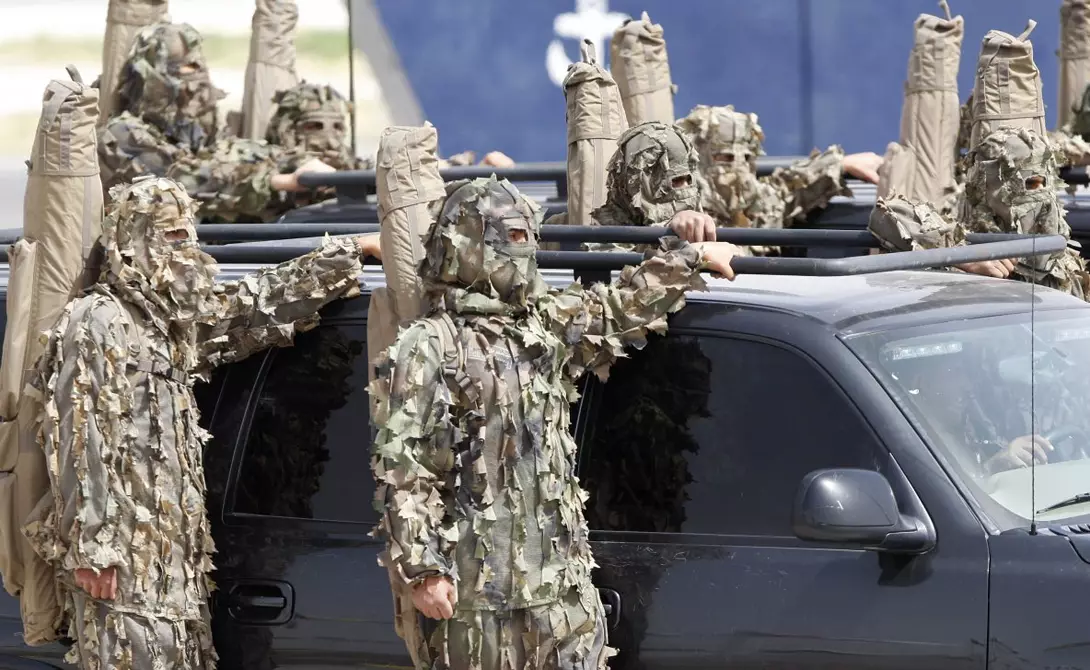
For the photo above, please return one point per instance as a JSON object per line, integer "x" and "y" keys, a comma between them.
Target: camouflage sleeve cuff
{"x": 811, "y": 183}
{"x": 900, "y": 224}
{"x": 1070, "y": 149}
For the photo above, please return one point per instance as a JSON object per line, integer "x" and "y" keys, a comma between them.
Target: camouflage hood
{"x": 165, "y": 82}
{"x": 310, "y": 116}
{"x": 641, "y": 186}
{"x": 1012, "y": 186}
{"x": 728, "y": 144}
{"x": 170, "y": 280}
{"x": 480, "y": 256}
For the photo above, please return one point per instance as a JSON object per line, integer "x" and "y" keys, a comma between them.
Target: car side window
{"x": 712, "y": 435}
{"x": 307, "y": 454}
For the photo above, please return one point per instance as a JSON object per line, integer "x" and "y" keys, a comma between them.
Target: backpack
{"x": 62, "y": 213}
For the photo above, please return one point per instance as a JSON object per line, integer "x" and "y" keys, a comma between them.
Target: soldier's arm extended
{"x": 88, "y": 435}
{"x": 599, "y": 321}
{"x": 232, "y": 180}
{"x": 412, "y": 455}
{"x": 805, "y": 186}
{"x": 900, "y": 224}
{"x": 268, "y": 308}
{"x": 1070, "y": 148}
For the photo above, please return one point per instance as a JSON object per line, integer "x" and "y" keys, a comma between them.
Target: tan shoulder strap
{"x": 454, "y": 368}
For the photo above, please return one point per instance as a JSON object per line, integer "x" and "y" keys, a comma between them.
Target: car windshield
{"x": 992, "y": 394}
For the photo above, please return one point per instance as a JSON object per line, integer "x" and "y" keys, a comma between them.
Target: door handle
{"x": 611, "y": 601}
{"x": 260, "y": 602}
{"x": 266, "y": 603}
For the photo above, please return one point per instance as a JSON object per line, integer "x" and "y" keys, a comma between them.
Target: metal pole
{"x": 352, "y": 78}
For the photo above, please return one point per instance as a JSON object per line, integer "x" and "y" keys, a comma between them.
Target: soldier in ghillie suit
{"x": 652, "y": 181}
{"x": 482, "y": 514}
{"x": 1012, "y": 185}
{"x": 728, "y": 144}
{"x": 311, "y": 120}
{"x": 168, "y": 126}
{"x": 127, "y": 531}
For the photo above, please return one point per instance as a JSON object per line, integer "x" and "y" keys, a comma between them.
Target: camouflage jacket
{"x": 785, "y": 196}
{"x": 229, "y": 178}
{"x": 119, "y": 426}
{"x": 901, "y": 224}
{"x": 475, "y": 458}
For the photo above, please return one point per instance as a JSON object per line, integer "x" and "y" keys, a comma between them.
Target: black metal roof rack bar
{"x": 556, "y": 171}
{"x": 606, "y": 260}
{"x": 1075, "y": 176}
{"x": 357, "y": 184}
{"x": 904, "y": 260}
{"x": 221, "y": 232}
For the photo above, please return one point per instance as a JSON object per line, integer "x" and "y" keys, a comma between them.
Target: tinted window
{"x": 307, "y": 455}
{"x": 713, "y": 435}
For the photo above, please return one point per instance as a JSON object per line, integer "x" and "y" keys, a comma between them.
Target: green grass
{"x": 325, "y": 46}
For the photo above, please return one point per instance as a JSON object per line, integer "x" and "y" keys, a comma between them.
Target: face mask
{"x": 186, "y": 277}
{"x": 485, "y": 241}
{"x": 510, "y": 256}
{"x": 322, "y": 132}
{"x": 736, "y": 184}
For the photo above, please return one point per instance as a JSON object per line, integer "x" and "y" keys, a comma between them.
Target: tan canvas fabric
{"x": 1007, "y": 90}
{"x": 1074, "y": 55}
{"x": 930, "y": 115}
{"x": 595, "y": 118}
{"x": 639, "y": 63}
{"x": 124, "y": 19}
{"x": 272, "y": 63}
{"x": 898, "y": 171}
{"x": 62, "y": 218}
{"x": 408, "y": 182}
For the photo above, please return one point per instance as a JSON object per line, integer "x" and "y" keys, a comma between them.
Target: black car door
{"x": 297, "y": 580}
{"x": 692, "y": 454}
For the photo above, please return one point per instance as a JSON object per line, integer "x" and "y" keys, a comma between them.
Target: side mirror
{"x": 849, "y": 506}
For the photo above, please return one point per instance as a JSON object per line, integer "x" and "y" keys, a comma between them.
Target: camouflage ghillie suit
{"x": 168, "y": 127}
{"x": 474, "y": 457}
{"x": 1000, "y": 197}
{"x": 651, "y": 177}
{"x": 1071, "y": 141}
{"x": 120, "y": 425}
{"x": 311, "y": 121}
{"x": 728, "y": 144}
{"x": 1011, "y": 186}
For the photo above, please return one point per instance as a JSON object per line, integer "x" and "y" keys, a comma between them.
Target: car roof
{"x": 846, "y": 304}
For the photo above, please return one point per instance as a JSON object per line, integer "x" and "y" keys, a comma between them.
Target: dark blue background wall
{"x": 817, "y": 72}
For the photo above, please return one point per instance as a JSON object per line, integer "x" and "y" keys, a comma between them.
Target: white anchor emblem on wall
{"x": 592, "y": 21}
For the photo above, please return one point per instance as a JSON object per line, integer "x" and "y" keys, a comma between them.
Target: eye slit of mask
{"x": 724, "y": 157}
{"x": 517, "y": 236}
{"x": 681, "y": 181}
{"x": 176, "y": 235}
{"x": 313, "y": 126}
{"x": 1035, "y": 182}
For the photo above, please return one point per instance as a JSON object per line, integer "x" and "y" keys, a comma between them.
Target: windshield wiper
{"x": 1067, "y": 502}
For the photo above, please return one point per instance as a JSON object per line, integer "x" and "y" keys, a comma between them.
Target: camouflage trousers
{"x": 566, "y": 635}
{"x": 106, "y": 639}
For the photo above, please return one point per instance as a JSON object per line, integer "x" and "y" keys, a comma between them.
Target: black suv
{"x": 800, "y": 474}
